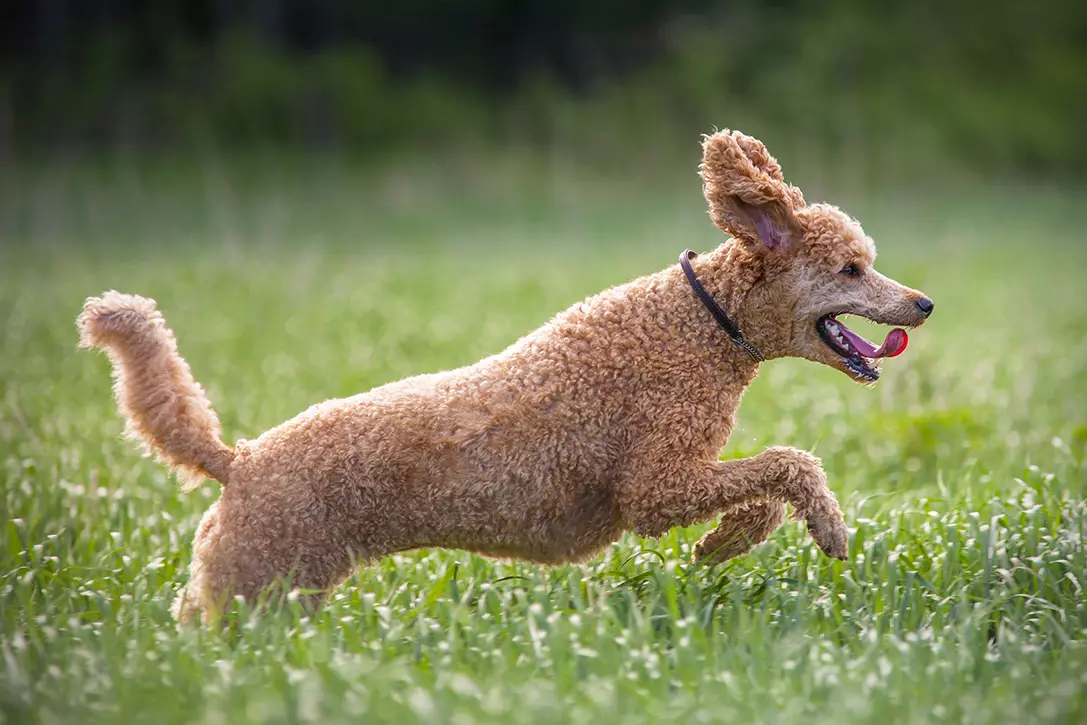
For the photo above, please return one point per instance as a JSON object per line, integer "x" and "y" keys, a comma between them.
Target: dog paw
{"x": 828, "y": 529}
{"x": 719, "y": 546}
{"x": 739, "y": 532}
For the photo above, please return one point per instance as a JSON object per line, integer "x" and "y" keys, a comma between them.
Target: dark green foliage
{"x": 898, "y": 87}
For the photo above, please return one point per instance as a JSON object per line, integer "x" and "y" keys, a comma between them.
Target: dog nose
{"x": 925, "y": 305}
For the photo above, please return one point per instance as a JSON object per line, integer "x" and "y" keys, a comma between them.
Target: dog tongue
{"x": 894, "y": 344}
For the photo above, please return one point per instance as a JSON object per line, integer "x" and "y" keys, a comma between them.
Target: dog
{"x": 607, "y": 419}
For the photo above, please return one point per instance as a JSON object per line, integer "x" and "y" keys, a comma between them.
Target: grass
{"x": 288, "y": 281}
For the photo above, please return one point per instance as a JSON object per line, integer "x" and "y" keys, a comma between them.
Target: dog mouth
{"x": 861, "y": 357}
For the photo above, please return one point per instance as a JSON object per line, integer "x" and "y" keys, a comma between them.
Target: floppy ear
{"x": 746, "y": 191}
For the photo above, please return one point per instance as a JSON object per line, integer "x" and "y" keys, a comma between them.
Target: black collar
{"x": 718, "y": 314}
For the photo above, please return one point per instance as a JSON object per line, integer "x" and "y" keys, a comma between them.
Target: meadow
{"x": 292, "y": 280}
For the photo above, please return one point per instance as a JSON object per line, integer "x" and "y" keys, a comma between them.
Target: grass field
{"x": 962, "y": 474}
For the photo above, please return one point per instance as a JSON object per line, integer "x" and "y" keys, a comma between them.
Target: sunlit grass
{"x": 962, "y": 474}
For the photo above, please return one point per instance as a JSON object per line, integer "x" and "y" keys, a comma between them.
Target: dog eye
{"x": 851, "y": 271}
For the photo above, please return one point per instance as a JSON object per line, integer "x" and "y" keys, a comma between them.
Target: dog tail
{"x": 156, "y": 393}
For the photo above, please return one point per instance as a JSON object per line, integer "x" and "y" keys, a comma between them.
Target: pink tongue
{"x": 895, "y": 344}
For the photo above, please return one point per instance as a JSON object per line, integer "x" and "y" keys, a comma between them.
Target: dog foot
{"x": 739, "y": 532}
{"x": 717, "y": 547}
{"x": 827, "y": 527}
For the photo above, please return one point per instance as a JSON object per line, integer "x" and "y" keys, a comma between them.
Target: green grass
{"x": 962, "y": 474}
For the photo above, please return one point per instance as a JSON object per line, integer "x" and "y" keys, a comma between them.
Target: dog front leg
{"x": 740, "y": 531}
{"x": 683, "y": 493}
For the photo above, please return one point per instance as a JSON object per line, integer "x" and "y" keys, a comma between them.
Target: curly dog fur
{"x": 609, "y": 418}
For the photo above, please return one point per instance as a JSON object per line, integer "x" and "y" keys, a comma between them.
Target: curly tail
{"x": 155, "y": 389}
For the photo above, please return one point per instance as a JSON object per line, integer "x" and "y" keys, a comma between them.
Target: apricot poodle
{"x": 607, "y": 419}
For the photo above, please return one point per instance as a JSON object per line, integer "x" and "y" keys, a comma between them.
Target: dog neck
{"x": 681, "y": 340}
{"x": 735, "y": 278}
{"x": 719, "y": 315}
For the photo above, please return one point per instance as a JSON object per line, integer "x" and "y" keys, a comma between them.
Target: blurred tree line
{"x": 992, "y": 84}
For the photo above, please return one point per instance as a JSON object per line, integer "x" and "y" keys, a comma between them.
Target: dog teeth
{"x": 835, "y": 332}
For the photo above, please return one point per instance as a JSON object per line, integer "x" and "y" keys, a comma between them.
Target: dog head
{"x": 811, "y": 264}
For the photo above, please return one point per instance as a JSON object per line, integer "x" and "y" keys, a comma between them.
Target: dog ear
{"x": 746, "y": 192}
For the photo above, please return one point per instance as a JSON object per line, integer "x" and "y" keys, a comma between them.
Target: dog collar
{"x": 723, "y": 320}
